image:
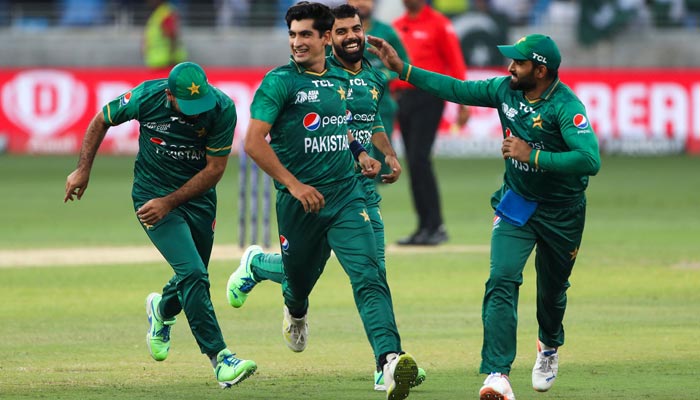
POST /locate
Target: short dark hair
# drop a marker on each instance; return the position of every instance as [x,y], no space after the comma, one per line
[345,11]
[319,13]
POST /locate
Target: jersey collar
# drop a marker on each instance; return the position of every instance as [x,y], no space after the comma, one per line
[302,70]
[550,90]
[334,60]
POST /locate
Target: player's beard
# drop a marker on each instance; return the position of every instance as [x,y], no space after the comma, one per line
[350,57]
[525,83]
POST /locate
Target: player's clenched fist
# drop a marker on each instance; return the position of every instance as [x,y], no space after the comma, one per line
[312,200]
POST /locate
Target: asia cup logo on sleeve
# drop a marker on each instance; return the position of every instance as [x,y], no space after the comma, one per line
[580,121]
[312,121]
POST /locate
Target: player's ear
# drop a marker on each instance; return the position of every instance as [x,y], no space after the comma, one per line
[540,71]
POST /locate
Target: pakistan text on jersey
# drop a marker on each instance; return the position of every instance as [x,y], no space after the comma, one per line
[324,144]
[179,153]
[363,136]
[525,167]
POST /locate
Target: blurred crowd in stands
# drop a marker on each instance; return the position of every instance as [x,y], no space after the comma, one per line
[595,19]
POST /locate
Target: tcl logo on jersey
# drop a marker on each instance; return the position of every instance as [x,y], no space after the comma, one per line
[580,121]
[312,121]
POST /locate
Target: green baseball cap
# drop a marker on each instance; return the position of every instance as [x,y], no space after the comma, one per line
[541,49]
[188,83]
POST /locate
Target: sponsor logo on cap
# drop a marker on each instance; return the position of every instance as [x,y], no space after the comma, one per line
[580,121]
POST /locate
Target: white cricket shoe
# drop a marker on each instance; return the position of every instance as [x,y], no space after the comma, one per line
[496,387]
[546,368]
[295,331]
[400,372]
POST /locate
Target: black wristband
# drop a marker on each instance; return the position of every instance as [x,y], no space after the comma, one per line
[356,149]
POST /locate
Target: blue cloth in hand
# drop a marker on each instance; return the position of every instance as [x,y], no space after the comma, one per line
[515,209]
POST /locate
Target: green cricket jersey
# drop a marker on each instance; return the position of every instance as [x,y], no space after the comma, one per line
[565,148]
[308,113]
[171,149]
[366,90]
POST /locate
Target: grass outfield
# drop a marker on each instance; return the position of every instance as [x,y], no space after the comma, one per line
[632,323]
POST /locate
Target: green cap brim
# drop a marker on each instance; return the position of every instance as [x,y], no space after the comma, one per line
[511,52]
[198,106]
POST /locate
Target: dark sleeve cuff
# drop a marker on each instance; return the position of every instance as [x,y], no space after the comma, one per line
[406,72]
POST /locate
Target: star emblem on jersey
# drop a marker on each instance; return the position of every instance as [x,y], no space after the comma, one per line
[201,132]
[537,121]
[193,89]
[574,254]
[365,215]
[341,92]
[375,93]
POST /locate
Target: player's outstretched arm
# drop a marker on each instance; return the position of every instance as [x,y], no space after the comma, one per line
[382,49]
[77,181]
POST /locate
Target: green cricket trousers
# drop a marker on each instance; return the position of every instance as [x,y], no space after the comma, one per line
[556,232]
[185,238]
[344,225]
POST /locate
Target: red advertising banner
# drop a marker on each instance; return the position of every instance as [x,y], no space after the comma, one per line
[632,110]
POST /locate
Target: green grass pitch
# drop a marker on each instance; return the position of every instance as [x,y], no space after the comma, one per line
[632,325]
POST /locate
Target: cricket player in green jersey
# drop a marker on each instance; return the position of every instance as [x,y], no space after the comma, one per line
[185,135]
[366,89]
[550,150]
[321,205]
[387,105]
